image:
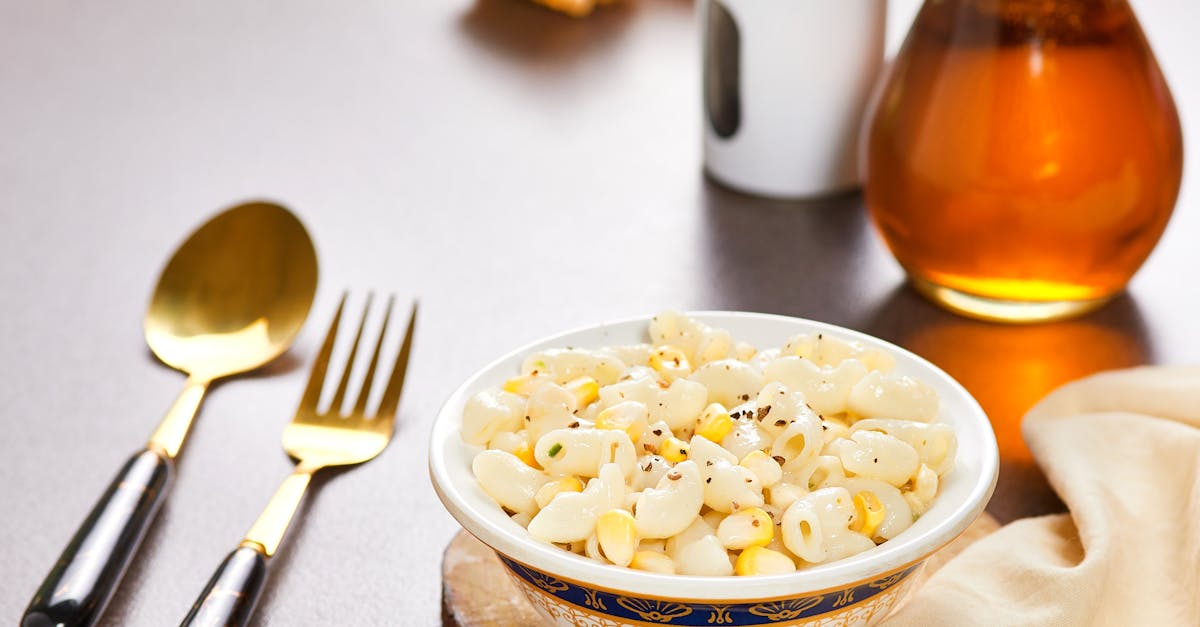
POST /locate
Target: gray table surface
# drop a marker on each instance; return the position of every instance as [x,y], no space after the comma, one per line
[519,172]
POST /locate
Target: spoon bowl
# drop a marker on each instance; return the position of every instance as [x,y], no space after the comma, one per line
[235,294]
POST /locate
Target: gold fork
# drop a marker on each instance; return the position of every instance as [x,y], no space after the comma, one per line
[316,440]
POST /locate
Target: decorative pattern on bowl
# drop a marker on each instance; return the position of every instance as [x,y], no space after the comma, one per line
[567,602]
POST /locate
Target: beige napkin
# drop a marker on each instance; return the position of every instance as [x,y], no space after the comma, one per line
[1122,449]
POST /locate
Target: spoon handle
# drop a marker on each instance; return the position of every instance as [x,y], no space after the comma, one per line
[231,594]
[83,580]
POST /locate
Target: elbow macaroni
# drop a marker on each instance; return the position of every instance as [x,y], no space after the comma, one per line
[612,453]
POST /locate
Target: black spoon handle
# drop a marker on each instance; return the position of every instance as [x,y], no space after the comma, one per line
[85,576]
[231,594]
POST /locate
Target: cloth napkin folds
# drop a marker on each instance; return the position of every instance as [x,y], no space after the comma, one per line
[1122,450]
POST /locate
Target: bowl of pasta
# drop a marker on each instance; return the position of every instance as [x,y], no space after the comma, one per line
[713,468]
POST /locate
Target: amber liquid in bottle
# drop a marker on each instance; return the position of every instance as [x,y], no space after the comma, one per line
[1023,157]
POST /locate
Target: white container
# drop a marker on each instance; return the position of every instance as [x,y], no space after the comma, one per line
[785,84]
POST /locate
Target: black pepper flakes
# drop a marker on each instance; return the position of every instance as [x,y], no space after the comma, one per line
[754,522]
[780,422]
[526,418]
[876,460]
[708,480]
[779,459]
[708,463]
[745,397]
[573,425]
[657,432]
[762,413]
[648,466]
[674,475]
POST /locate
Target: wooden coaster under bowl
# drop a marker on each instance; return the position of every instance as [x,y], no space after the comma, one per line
[476,592]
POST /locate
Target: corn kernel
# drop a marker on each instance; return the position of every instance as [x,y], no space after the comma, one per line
[653,561]
[757,560]
[585,389]
[546,493]
[617,533]
[869,513]
[629,416]
[714,423]
[749,526]
[925,483]
[525,384]
[525,453]
[914,503]
[765,467]
[670,362]
[674,450]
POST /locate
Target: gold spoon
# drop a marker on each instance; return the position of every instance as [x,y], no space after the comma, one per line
[232,298]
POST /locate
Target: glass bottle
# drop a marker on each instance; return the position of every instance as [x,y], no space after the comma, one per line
[1022,157]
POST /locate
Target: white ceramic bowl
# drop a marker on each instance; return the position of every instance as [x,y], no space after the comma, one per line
[571,590]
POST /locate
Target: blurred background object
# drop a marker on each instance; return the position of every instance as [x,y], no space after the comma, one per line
[574,8]
[785,85]
[1023,157]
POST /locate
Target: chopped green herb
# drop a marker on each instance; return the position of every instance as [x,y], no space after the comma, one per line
[554,449]
[915,517]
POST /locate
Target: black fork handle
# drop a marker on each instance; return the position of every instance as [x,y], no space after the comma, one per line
[86,575]
[231,594]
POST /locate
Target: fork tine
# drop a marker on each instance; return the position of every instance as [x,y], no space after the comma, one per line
[391,395]
[360,405]
[335,405]
[316,379]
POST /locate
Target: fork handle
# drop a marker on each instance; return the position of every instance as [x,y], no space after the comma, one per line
[83,580]
[231,594]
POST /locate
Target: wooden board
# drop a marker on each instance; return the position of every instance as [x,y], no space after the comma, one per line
[476,592]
